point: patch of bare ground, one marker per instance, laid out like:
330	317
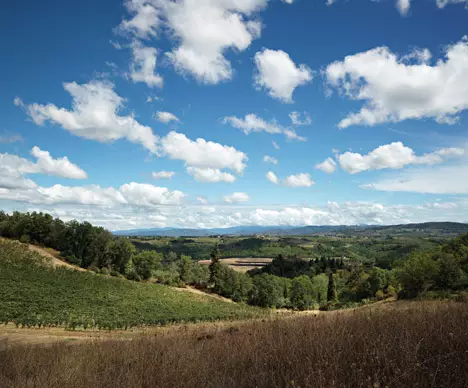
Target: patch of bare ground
196	291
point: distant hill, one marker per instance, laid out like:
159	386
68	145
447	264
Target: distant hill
421	229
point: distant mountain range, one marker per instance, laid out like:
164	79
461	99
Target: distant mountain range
423	229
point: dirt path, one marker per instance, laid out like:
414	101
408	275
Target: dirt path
194	290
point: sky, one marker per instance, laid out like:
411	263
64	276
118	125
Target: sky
218	113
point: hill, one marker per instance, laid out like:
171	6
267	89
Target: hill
420	229
34	294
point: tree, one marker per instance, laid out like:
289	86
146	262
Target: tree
121	253
302	294
214	265
417	274
267	291
449	271
185	268
146	263
331	292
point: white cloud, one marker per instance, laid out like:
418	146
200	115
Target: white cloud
296	118
253	123
236	198
166	117
403	6
328	166
148	195
59	167
13	168
288	1
94	115
145	20
202	153
205	29
88	195
143	66
396	89
441	180
271	176
299	180
270	159
202	200
275	145
444	3
279	75
163	174
394	156
210	175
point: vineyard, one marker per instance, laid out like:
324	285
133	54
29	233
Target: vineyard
34	295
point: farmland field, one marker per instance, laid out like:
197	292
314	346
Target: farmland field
243	264
33	294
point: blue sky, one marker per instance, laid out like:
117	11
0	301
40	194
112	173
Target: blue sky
97	98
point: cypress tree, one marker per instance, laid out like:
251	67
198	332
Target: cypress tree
331	293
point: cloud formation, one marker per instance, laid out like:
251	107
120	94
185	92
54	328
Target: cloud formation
252	123
393	156
402	88
278	74
94	115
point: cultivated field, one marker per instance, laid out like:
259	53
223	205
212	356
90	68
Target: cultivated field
402	344
243	264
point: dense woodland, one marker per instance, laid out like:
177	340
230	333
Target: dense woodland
328	279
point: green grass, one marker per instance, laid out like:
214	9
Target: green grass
34	294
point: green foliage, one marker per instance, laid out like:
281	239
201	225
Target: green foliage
33	294
185	269
267	291
146	263
331	290
302	293
417	274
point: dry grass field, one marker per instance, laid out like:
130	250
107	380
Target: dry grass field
402	344
242	264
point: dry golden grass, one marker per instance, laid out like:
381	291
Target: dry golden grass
412	344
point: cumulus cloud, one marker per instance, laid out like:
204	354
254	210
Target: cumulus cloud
297	180
441	180
403	88
328	166
166	117
270	159
296	118
202	200
59	167
275	145
236	197
163	174
142	194
210	175
278	74
203	30
252	123
271	176
13	168
393	156
145	19
203	154
94	115
143	66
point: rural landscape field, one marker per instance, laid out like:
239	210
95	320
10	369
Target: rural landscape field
81	307
234	194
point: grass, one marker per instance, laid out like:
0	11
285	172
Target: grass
403	344
33	294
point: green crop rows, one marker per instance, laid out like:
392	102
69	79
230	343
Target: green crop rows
33	294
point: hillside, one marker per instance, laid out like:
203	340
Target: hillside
427	229
34	294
